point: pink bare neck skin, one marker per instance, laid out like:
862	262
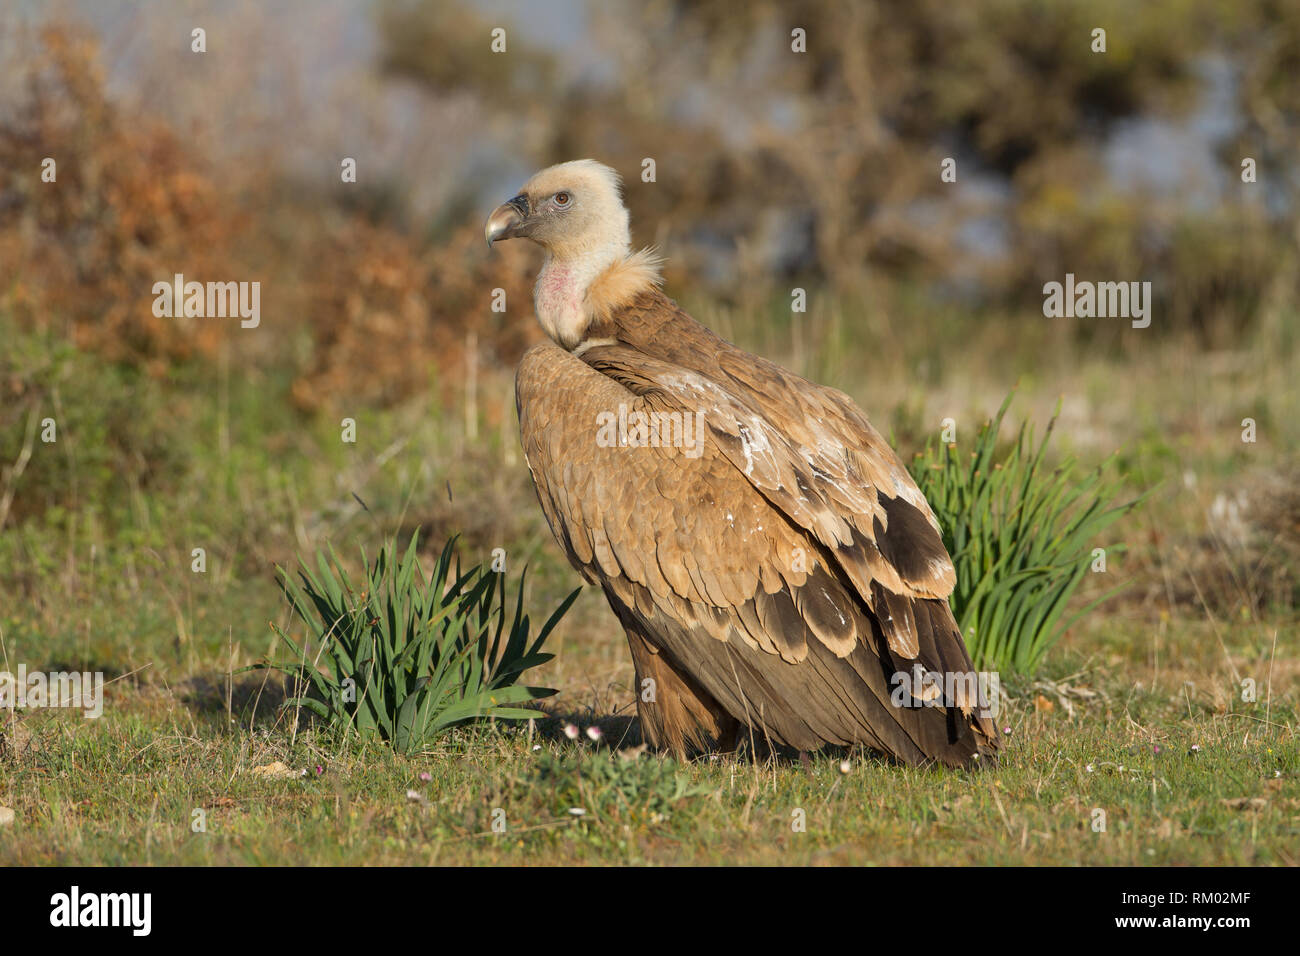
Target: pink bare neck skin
557	289
560	295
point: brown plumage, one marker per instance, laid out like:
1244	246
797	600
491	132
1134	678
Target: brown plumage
772	562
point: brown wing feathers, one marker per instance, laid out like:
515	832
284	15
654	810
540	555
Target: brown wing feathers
820	493
781	576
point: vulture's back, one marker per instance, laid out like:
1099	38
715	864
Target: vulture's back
773	563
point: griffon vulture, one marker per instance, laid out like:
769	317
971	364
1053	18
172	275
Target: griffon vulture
777	571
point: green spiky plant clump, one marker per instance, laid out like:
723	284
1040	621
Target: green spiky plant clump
405	657
1021	536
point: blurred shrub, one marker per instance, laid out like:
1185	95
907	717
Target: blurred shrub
380	312
389	320
130	207
830	175
413	29
773	165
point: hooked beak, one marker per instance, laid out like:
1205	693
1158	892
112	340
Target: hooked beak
507	220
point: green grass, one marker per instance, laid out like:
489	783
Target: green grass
126	788
96	574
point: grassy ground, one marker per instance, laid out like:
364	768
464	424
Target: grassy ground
1139	713
134	786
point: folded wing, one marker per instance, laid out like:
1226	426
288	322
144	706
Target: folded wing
775	549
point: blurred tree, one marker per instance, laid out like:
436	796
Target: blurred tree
827	161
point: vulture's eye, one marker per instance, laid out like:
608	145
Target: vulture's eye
562	199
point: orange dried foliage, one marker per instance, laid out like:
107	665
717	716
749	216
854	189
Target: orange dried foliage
386	316
128	208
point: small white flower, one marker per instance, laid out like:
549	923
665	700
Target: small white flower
571	731
845	766
1089	769
577	812
595	733
537	747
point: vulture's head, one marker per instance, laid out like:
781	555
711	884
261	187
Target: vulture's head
572	210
